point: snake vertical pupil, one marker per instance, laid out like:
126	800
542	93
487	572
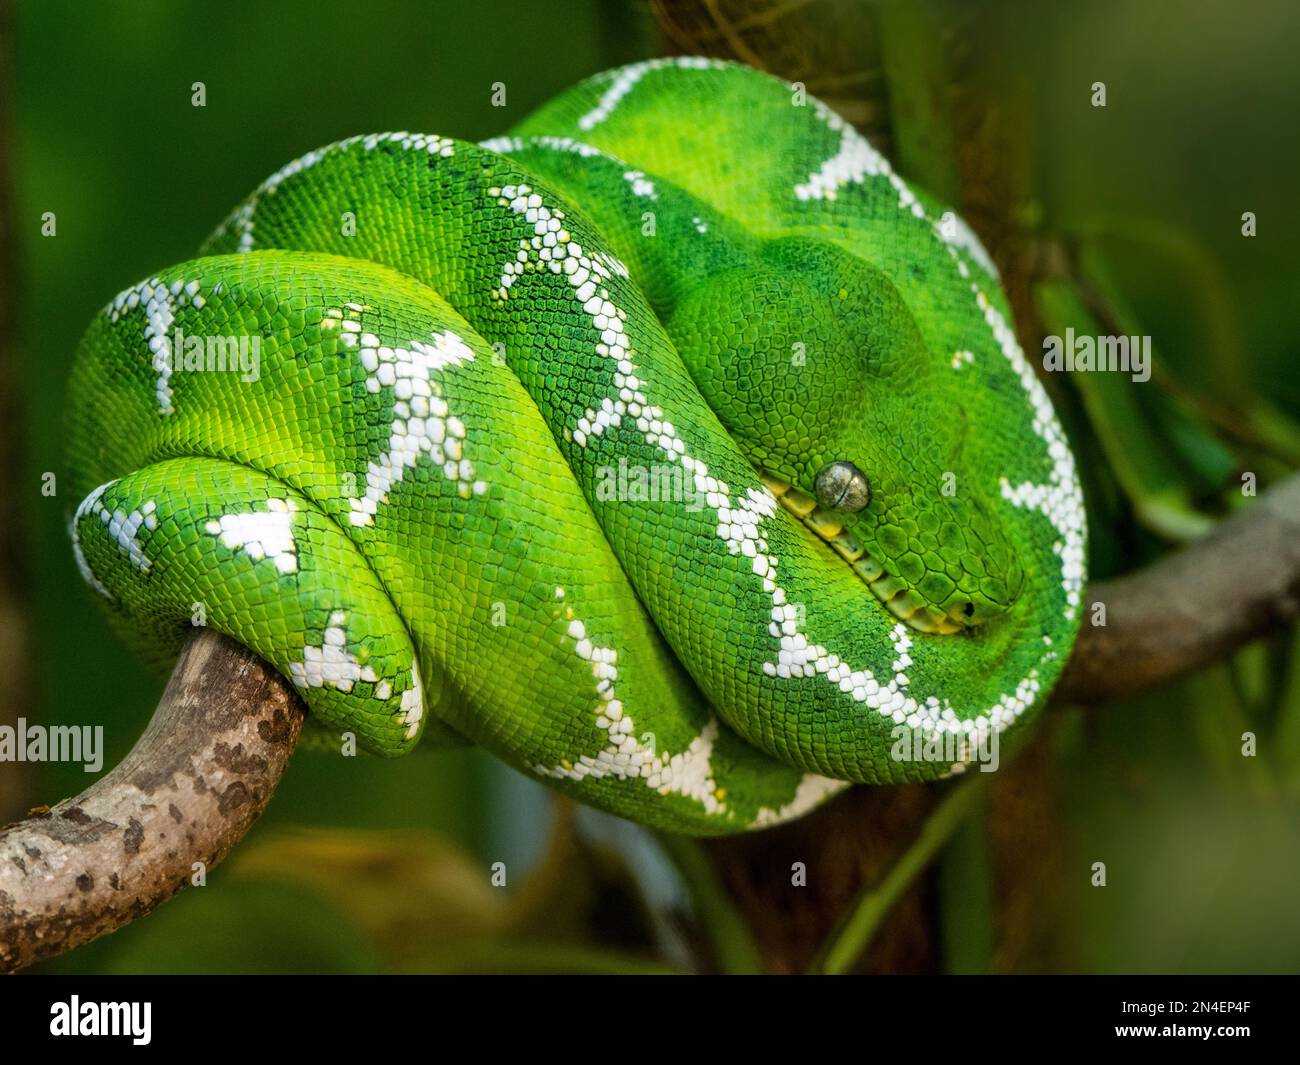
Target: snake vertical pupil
840	485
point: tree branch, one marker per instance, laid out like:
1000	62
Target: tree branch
1193	606
190	789
225	727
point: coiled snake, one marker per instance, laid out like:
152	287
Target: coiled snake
671	447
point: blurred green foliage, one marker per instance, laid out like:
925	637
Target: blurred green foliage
1199	842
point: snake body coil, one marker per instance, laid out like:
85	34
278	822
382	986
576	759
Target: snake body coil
672	447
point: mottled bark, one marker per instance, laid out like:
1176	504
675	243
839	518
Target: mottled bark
189	790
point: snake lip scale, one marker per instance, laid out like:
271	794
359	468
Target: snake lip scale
896	597
405	510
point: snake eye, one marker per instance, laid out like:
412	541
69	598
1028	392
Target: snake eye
842	486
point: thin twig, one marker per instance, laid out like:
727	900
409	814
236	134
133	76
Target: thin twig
846	946
733	945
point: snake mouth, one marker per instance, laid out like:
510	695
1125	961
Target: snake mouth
898	599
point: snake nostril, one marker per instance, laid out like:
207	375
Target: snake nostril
969	610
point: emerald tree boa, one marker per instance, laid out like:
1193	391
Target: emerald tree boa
671	447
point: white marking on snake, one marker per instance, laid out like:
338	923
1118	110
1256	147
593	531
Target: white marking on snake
422	423
160	302
637	179
261	534
552	246
853	163
412	704
626	79
625	757
740	524
509	145
331	663
953	231
856	160
241	220
1060	500
87	506
123	527
811	792
641	185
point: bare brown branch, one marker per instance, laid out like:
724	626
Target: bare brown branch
189	790
1191	607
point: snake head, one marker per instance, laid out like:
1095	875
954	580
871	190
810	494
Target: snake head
939	563
860	429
